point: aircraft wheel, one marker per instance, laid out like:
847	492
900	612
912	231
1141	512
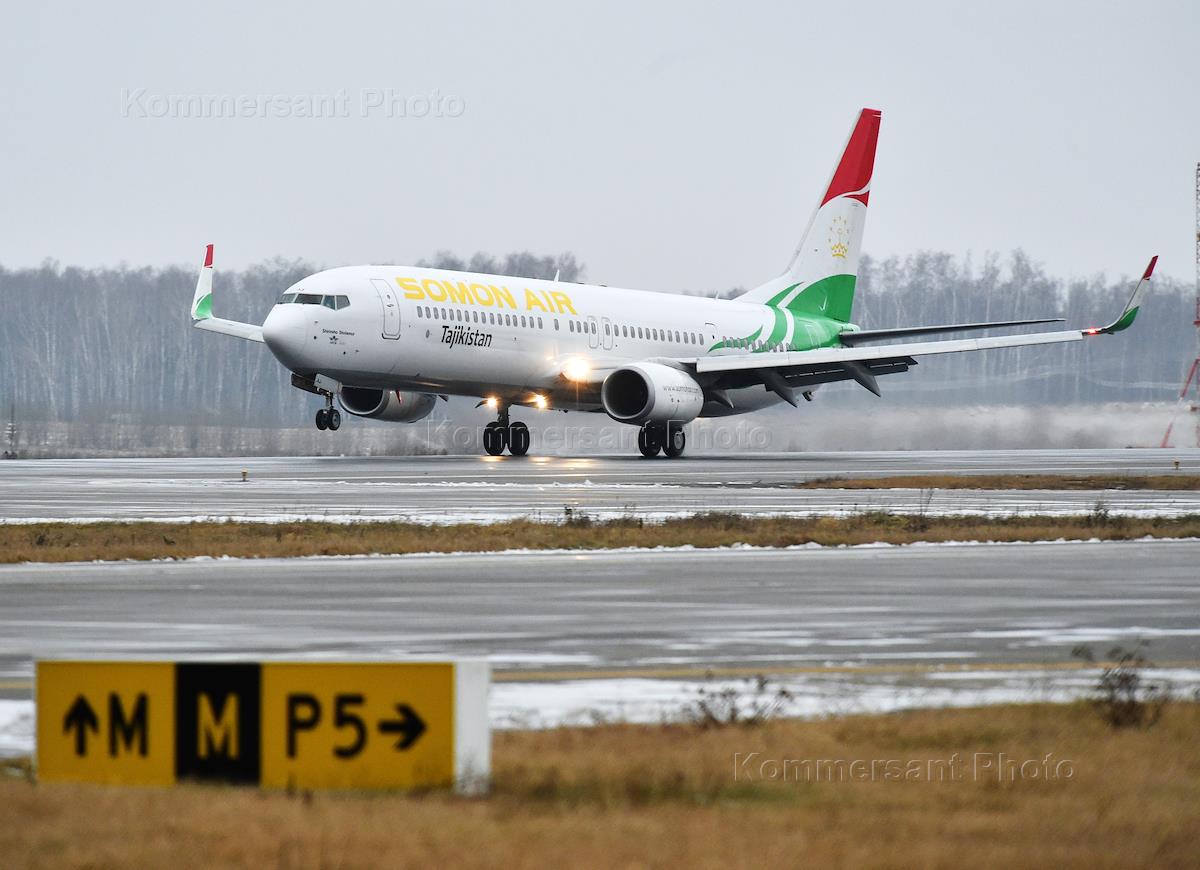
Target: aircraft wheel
323	419
494	439
650	440
518	439
676	441
333	419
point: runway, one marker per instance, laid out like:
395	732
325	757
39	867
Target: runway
489	489
841	626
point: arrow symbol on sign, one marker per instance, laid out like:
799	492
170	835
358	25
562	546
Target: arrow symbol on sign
82	718
409	726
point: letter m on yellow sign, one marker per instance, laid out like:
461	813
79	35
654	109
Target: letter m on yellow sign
217	714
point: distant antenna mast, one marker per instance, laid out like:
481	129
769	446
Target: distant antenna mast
1192	380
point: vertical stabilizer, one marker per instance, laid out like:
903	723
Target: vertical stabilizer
820	277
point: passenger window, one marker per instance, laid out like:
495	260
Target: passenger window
606	332
594	329
677	339
556	324
522	319
539	323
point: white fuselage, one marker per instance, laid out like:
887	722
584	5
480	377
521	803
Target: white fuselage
515	339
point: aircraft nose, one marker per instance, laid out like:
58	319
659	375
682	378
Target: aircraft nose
283	333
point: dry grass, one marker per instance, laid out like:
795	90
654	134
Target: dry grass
1172	482
667	796
66	542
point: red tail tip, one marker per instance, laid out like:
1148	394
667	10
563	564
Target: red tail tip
208	257
1150	269
853	175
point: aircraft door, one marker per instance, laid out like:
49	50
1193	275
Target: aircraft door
593	332
391	307
606	333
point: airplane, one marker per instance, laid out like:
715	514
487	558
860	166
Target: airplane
387	341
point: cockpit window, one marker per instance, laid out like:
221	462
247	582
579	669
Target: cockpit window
330	302
286	298
343	302
308	299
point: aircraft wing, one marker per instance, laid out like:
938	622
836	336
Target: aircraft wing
202	303
782	372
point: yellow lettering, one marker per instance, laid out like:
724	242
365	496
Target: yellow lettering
503	297
483	294
546	298
412	290
564	303
434	290
459	292
217	735
531	301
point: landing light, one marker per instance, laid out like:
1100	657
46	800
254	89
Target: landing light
540	401
492	402
577	370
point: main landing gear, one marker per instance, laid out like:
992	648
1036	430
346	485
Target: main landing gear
329	417
503	434
667	438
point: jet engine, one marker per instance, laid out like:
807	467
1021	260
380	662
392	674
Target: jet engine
651	393
395	406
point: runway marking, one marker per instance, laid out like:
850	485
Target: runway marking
685	673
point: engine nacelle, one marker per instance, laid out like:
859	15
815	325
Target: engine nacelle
651	393
395	406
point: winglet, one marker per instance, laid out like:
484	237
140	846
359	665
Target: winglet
1131	309
202	299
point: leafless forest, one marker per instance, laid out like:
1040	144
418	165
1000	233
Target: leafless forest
104	361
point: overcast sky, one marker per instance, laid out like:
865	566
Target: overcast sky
667	145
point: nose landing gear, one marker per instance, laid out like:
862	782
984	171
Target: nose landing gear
503	434
655	437
329	417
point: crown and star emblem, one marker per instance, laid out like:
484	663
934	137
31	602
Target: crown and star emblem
839	235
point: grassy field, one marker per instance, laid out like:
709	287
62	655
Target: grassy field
683	796
64	542
1171	482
